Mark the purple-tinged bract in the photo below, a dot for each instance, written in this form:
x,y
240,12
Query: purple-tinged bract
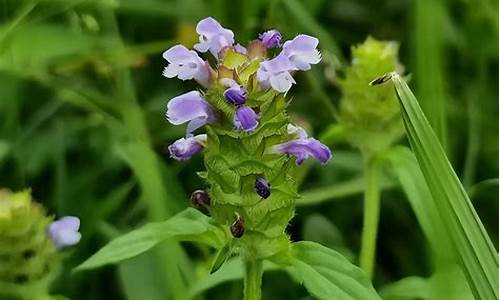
x,y
185,148
246,119
213,37
271,38
186,64
190,107
64,232
302,52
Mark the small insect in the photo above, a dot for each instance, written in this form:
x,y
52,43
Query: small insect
x,y
382,79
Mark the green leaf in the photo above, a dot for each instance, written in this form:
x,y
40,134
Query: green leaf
x,y
233,59
328,275
221,258
477,255
189,225
407,288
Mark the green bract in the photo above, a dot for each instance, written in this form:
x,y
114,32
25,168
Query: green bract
x,y
28,258
370,115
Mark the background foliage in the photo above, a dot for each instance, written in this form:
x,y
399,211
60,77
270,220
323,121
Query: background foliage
x,y
82,104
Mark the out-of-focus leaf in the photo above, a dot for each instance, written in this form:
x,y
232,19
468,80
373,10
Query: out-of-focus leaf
x,y
338,191
328,275
477,255
406,289
188,225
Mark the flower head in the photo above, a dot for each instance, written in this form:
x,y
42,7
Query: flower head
x,y
190,107
236,95
64,232
185,148
213,37
245,118
186,64
275,73
303,147
302,52
271,38
262,187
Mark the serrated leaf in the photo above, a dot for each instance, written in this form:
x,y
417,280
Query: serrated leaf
x,y
326,274
187,225
247,71
477,255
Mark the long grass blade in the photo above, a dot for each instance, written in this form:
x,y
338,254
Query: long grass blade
x,y
474,248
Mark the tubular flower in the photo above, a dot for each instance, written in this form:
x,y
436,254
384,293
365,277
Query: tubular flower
x,y
303,147
275,73
302,52
185,148
236,95
213,37
64,232
246,119
186,64
271,38
192,108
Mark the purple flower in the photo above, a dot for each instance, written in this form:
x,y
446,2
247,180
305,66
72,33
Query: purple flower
x,y
271,38
275,73
236,95
302,51
185,148
213,37
186,64
303,147
240,49
262,187
245,118
192,108
64,232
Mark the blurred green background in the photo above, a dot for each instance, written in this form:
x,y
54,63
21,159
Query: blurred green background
x,y
82,124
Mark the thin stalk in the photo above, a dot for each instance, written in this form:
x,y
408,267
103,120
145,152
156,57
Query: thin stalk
x,y
253,280
370,216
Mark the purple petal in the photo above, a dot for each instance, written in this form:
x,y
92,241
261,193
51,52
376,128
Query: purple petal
x,y
185,148
275,73
236,95
185,64
64,232
245,118
271,38
262,187
213,37
240,49
302,148
192,108
302,51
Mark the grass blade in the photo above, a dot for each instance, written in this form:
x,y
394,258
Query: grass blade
x,y
478,257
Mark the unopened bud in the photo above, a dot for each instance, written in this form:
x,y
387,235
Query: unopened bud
x,y
200,199
238,228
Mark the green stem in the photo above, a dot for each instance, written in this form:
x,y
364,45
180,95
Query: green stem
x,y
253,280
371,216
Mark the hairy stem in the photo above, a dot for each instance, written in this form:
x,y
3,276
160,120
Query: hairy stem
x,y
370,216
253,280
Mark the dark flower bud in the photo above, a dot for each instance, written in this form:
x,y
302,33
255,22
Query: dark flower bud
x,y
200,199
238,228
236,95
262,187
271,38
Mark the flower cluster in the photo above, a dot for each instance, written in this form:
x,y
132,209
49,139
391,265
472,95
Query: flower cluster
x,y
276,73
250,147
